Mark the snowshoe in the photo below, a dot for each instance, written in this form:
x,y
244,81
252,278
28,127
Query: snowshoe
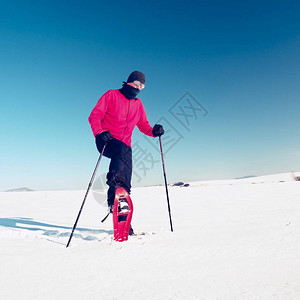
x,y
122,215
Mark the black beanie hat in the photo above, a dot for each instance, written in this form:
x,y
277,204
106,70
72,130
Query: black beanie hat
x,y
136,75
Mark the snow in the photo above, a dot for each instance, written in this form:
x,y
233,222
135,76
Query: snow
x,y
232,239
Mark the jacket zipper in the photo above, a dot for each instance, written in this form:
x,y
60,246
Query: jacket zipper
x,y
126,120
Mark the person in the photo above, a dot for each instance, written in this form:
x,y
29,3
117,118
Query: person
x,y
112,121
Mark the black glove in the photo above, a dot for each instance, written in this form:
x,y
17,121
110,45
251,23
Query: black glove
x,y
158,130
103,137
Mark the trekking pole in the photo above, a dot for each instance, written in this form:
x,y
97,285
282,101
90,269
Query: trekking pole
x,y
88,189
166,185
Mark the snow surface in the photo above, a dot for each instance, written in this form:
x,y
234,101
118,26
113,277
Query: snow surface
x,y
232,239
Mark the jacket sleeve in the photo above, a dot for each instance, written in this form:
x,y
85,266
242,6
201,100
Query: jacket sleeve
x,y
98,114
143,123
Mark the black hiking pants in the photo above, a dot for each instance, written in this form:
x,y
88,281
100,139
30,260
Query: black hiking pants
x,y
120,167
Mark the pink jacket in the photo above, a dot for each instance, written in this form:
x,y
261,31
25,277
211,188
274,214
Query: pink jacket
x,y
119,115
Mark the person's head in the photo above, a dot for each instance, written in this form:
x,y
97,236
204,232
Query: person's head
x,y
134,84
137,80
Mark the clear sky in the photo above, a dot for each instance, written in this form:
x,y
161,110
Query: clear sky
x,y
239,62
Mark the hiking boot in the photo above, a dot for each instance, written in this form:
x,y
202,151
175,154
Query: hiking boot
x,y
110,208
131,232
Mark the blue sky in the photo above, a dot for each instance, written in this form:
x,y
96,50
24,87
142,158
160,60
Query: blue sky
x,y
240,61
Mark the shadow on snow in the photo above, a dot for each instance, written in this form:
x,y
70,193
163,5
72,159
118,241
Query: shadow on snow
x,y
50,229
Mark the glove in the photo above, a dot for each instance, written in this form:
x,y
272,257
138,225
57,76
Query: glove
x,y
158,130
103,137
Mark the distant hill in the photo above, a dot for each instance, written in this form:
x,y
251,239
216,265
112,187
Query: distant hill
x,y
22,189
244,177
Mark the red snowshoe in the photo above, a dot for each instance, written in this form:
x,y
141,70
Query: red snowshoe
x,y
122,214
